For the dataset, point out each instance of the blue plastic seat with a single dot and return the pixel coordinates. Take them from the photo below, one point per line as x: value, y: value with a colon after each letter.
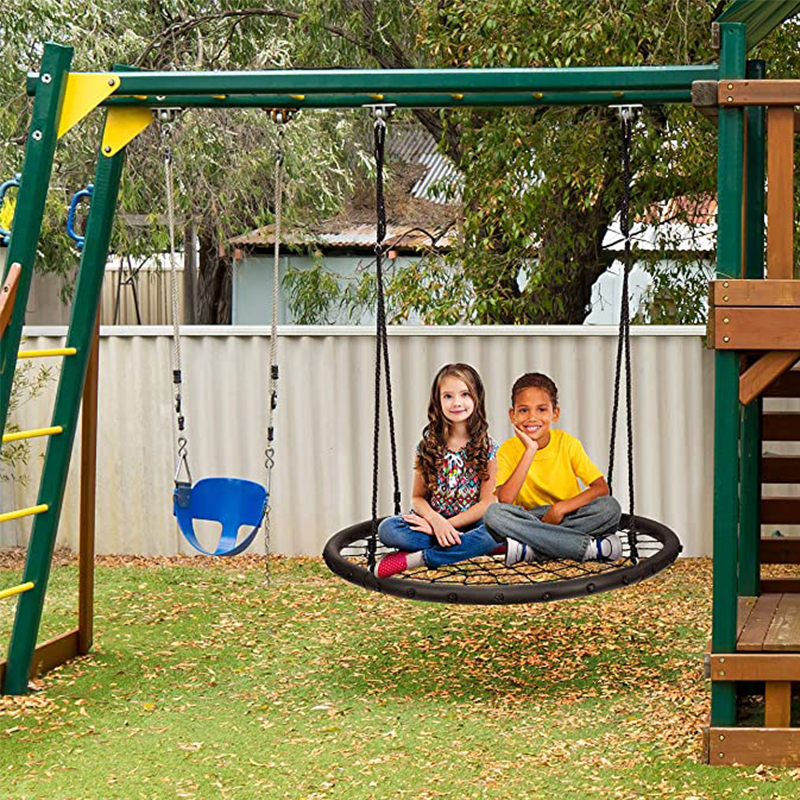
x: 232, y: 502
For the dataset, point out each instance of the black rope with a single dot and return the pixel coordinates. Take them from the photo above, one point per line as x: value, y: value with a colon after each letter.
x: 381, y: 350
x: 624, y: 340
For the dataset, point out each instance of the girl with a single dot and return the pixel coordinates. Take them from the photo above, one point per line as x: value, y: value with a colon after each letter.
x: 454, y: 480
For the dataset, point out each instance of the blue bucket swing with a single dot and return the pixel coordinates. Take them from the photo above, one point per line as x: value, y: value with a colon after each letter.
x: 233, y: 503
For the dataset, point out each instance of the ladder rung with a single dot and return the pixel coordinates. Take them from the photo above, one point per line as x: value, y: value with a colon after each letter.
x: 56, y: 351
x: 12, y: 590
x: 24, y: 512
x: 17, y: 435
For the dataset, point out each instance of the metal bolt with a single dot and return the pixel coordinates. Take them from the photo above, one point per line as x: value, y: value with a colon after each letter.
x: 725, y: 284
x: 722, y: 673
x: 112, y: 81
x: 725, y: 298
x: 46, y: 78
x: 730, y: 99
x: 107, y: 148
x: 725, y: 320
x: 730, y: 86
x: 37, y: 136
x: 722, y: 661
x: 722, y: 737
x: 726, y: 339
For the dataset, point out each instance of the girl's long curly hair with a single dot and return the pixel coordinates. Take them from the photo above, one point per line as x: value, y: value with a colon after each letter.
x: 434, y: 436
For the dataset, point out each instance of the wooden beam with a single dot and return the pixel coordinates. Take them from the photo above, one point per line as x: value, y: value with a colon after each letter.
x: 7, y: 296
x: 778, y: 747
x: 755, y: 292
x: 86, y: 546
x: 780, y: 585
x: 755, y: 328
x: 751, y: 637
x: 777, y: 704
x: 756, y: 378
x: 780, y: 511
x: 755, y: 667
x: 779, y: 549
x: 780, y: 194
x: 759, y: 93
x: 50, y: 654
x: 788, y: 385
x: 780, y: 426
x: 780, y: 469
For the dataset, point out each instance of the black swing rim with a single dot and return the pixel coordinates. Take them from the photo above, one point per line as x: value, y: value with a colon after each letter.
x: 504, y: 594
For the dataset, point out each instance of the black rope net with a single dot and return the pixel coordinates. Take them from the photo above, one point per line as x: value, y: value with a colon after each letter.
x: 488, y: 580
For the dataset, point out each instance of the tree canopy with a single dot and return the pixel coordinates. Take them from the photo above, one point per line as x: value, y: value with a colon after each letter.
x: 539, y: 187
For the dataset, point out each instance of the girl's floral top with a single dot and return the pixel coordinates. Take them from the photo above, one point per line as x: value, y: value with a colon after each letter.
x: 458, y: 486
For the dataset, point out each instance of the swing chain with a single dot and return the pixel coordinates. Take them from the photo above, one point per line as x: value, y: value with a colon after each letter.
x: 165, y: 118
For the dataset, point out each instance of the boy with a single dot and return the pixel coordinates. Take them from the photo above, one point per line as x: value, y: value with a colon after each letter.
x: 543, y: 512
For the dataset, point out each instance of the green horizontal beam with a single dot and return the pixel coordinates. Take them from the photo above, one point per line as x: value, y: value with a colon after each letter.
x: 409, y: 100
x: 409, y: 81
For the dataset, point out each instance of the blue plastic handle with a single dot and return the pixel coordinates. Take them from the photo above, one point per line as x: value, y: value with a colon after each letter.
x: 5, y: 236
x: 83, y: 194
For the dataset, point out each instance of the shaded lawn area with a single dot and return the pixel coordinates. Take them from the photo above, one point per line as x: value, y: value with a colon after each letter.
x: 204, y: 683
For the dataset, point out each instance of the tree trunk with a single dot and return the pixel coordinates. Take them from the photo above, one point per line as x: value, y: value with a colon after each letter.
x: 213, y: 283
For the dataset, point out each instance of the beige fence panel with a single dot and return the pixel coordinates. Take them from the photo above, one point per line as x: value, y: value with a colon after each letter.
x: 322, y: 480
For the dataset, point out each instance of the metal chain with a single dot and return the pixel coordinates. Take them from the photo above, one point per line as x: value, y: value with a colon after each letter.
x: 272, y: 391
x: 166, y: 118
x: 624, y: 341
x: 382, y: 343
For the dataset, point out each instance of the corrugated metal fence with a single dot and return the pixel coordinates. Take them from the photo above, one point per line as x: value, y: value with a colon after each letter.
x: 322, y: 481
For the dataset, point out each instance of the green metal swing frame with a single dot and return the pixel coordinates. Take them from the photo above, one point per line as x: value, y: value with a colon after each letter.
x: 744, y: 23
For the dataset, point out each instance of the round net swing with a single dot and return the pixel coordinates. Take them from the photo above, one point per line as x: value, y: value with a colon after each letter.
x: 648, y: 546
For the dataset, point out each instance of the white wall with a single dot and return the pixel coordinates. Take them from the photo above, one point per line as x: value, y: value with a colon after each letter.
x: 322, y: 480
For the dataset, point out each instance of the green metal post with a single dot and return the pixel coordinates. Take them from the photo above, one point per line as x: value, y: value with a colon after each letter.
x: 67, y: 406
x: 730, y: 180
x: 749, y: 510
x: 31, y: 196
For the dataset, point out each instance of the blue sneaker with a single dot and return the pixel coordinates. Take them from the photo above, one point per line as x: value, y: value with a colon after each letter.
x: 608, y: 548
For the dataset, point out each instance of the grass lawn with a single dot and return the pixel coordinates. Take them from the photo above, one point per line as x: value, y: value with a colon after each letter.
x: 205, y: 683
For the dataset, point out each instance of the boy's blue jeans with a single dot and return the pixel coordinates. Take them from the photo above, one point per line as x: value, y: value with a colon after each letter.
x: 567, y: 540
x: 475, y: 541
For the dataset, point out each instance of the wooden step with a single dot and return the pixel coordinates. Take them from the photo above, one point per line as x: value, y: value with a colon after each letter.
x: 788, y: 385
x: 780, y: 510
x: 780, y: 550
x: 780, y: 469
x: 781, y: 426
x: 773, y: 625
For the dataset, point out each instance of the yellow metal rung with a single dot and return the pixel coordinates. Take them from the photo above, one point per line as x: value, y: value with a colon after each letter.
x: 12, y: 590
x: 56, y: 351
x: 15, y: 437
x: 24, y: 512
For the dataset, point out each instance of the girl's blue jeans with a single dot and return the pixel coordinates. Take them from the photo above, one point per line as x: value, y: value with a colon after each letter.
x: 475, y: 541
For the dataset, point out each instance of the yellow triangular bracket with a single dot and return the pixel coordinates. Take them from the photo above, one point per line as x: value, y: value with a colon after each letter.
x: 123, y: 125
x: 83, y: 93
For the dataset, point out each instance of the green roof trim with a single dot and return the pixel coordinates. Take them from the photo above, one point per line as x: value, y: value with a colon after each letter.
x: 760, y: 17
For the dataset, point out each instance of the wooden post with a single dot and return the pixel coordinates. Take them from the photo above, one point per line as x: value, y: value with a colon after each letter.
x: 86, y: 545
x: 780, y: 194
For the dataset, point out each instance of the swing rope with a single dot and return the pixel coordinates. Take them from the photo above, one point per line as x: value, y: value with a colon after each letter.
x: 166, y: 118
x: 280, y: 119
x: 624, y: 338
x: 382, y: 343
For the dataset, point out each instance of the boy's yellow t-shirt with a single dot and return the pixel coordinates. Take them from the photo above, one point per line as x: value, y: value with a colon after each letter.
x: 554, y: 471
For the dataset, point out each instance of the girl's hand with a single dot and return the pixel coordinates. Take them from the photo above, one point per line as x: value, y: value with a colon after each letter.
x: 445, y: 533
x: 530, y: 444
x: 554, y: 515
x: 418, y: 523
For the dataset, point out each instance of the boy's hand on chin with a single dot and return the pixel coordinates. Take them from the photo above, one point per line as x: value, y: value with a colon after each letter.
x: 530, y: 444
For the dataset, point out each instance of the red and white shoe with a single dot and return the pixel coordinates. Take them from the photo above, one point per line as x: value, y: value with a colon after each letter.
x: 391, y: 565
